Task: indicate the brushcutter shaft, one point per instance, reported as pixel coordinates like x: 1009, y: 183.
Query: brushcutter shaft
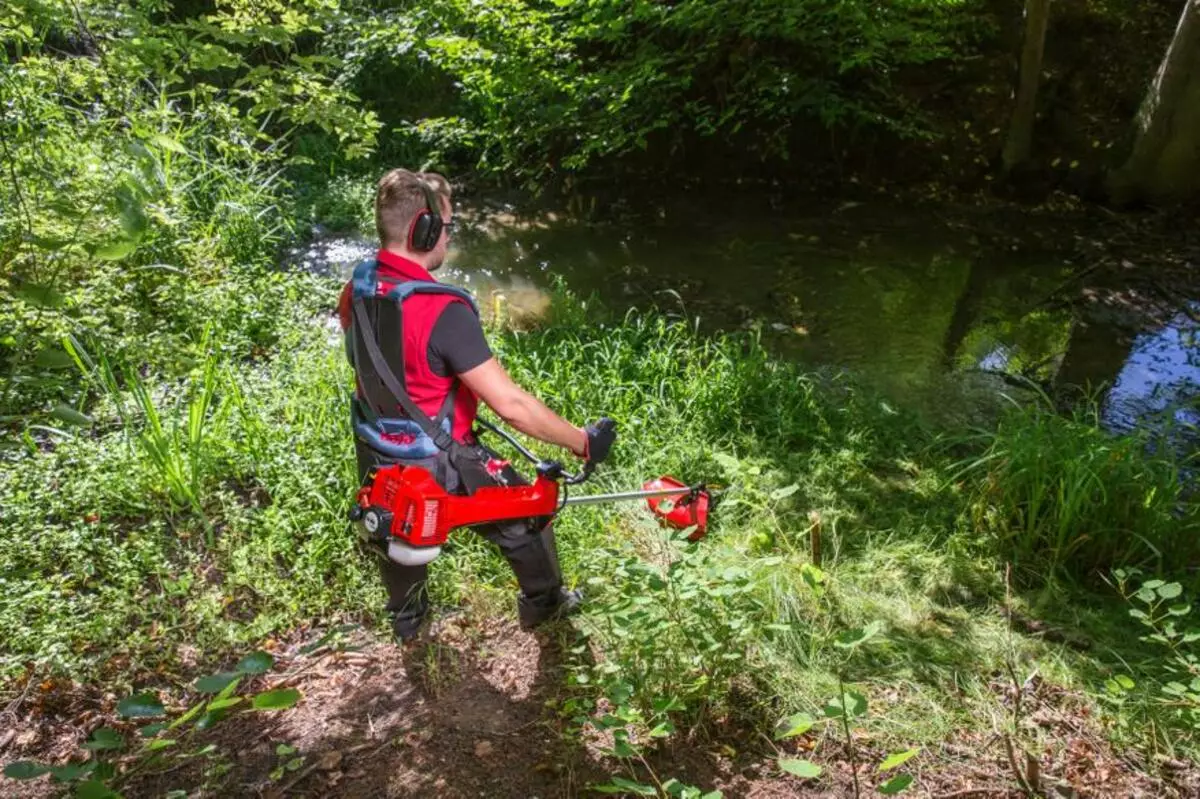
x: 621, y: 496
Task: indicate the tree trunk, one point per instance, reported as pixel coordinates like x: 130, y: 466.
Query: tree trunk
x: 1020, y: 131
x: 1165, y: 162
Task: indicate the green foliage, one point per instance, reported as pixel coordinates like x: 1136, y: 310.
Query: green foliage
x: 525, y: 90
x: 152, y: 748
x: 1169, y: 699
x: 142, y: 194
x: 1063, y: 495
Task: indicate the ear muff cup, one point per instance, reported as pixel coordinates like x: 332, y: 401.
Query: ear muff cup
x: 426, y: 226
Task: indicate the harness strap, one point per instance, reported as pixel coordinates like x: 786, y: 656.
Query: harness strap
x: 441, y: 439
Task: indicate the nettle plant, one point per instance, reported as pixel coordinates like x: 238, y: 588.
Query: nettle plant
x: 1165, y: 612
x: 162, y: 745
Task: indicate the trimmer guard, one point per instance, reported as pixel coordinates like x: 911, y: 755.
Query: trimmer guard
x: 690, y: 510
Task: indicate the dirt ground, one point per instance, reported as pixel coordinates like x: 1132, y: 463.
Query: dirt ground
x: 472, y: 712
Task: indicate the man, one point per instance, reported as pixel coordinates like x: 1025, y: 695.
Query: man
x: 421, y: 365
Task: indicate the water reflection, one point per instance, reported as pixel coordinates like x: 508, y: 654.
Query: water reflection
x: 899, y: 300
x: 1160, y: 380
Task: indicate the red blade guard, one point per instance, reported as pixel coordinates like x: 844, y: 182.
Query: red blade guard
x: 689, y: 509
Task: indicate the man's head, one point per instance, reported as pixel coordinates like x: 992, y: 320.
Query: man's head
x: 401, y: 197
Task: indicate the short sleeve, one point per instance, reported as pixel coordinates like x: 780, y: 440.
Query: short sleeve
x: 457, y: 343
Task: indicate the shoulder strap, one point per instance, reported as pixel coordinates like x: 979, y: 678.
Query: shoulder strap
x: 402, y: 291
x: 442, y: 439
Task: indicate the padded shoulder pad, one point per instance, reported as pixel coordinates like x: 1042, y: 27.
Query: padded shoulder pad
x: 405, y: 290
x: 364, y: 277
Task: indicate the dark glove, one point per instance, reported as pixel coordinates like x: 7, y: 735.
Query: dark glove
x: 600, y: 437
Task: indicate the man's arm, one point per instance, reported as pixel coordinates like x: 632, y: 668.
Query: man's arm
x: 519, y: 409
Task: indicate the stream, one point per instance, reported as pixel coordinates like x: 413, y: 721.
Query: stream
x: 906, y: 299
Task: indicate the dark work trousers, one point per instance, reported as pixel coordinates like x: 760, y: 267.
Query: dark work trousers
x: 527, y: 544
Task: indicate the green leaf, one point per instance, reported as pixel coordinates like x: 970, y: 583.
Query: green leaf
x: 785, y: 492
x: 713, y: 795
x: 115, y: 251
x: 663, y: 730
x: 159, y: 743
x: 283, y: 750
x: 1170, y: 590
x: 25, y: 770
x: 279, y: 699
x: 39, y: 295
x: 167, y: 143
x: 255, y: 663
x: 896, y: 784
x: 150, y: 730
x: 221, y: 704
x: 801, y: 768
x: 94, y: 789
x: 140, y: 706
x: 793, y: 725
x: 897, y: 759
x: 852, y: 639
x: 853, y: 704
x: 229, y: 690
x: 1152, y: 584
x: 53, y: 359
x: 1124, y: 681
x: 215, y: 683
x: 68, y: 414
x: 186, y: 717
x: 72, y: 771
x: 105, y: 738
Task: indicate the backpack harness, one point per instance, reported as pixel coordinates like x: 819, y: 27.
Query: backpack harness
x: 413, y: 436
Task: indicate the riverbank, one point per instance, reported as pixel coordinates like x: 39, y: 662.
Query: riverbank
x: 856, y: 545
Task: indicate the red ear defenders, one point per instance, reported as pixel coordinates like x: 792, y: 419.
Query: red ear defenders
x: 426, y: 226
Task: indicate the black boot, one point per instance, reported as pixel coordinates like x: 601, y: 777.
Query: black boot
x: 556, y: 604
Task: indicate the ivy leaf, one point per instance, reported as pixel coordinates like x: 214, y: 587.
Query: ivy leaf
x: 279, y: 699
x: 801, y: 768
x: 140, y: 706
x: 794, y: 725
x: 896, y: 784
x: 897, y: 759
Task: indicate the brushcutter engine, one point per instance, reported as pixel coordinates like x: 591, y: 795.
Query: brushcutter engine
x: 404, y: 510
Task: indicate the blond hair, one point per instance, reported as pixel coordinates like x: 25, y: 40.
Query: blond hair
x: 398, y: 200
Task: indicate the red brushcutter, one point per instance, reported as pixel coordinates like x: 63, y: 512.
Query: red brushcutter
x: 404, y: 509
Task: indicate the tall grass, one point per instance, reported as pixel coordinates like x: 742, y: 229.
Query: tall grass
x: 1061, y: 495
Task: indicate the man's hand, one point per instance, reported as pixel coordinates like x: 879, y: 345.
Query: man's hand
x: 600, y: 437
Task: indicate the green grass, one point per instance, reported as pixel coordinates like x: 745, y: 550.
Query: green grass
x: 109, y: 572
